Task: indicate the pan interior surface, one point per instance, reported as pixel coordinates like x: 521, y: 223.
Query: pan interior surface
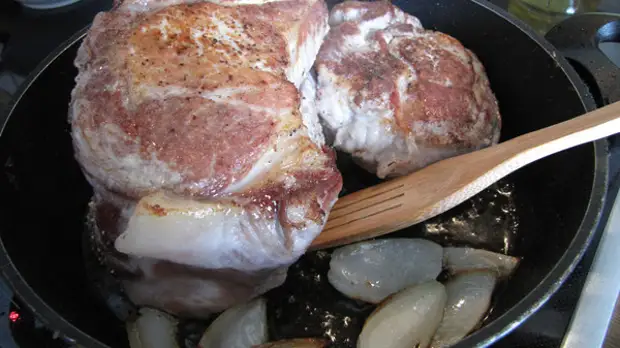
x: 44, y: 197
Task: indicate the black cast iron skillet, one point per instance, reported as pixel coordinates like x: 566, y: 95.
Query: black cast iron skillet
x: 557, y: 201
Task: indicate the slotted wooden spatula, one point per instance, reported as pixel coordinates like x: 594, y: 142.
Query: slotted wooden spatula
x: 407, y: 200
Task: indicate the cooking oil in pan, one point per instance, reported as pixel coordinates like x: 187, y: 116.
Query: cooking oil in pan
x: 103, y: 282
x: 486, y: 221
x: 306, y: 305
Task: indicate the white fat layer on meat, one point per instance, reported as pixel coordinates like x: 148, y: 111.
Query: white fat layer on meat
x: 284, y: 152
x: 198, y: 292
x: 354, y: 14
x: 196, y: 35
x: 350, y: 14
x: 217, y: 235
x: 378, y: 148
x: 364, y: 128
x: 224, y: 94
x: 333, y: 102
x: 309, y: 112
x: 297, y: 215
x: 286, y: 147
x: 136, y: 172
x: 303, y: 56
x: 163, y: 29
x: 158, y: 172
x: 361, y: 42
x: 363, y: 131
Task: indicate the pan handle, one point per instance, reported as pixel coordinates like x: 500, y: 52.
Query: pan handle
x: 578, y: 39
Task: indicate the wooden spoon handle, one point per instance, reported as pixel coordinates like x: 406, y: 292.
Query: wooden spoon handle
x: 413, y: 198
x: 594, y: 125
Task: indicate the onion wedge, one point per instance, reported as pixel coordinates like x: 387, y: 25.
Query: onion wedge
x: 241, y: 326
x: 407, y: 319
x: 373, y: 270
x: 469, y: 297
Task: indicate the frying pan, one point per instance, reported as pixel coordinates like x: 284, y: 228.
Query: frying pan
x: 551, y: 207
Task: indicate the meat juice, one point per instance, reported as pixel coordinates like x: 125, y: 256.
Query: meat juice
x: 306, y: 305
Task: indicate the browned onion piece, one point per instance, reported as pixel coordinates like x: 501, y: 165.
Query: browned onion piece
x: 459, y: 260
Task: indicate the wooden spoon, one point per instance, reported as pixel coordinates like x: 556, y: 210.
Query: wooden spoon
x: 408, y: 200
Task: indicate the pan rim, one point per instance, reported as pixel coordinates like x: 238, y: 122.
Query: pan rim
x: 487, y: 335
x: 37, y: 306
x: 539, y: 295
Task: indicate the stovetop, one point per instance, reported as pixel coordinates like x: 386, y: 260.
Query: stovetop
x: 35, y: 34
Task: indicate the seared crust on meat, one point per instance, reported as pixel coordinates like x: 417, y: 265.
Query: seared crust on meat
x: 187, y: 119
x: 399, y: 97
x: 194, y: 83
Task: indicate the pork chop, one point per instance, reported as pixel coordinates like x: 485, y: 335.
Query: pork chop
x: 210, y: 174
x: 398, y: 97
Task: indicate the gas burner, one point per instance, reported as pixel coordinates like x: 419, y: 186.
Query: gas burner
x: 6, y: 339
x: 18, y: 326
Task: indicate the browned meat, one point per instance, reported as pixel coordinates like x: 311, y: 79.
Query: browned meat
x: 398, y: 97
x: 209, y: 170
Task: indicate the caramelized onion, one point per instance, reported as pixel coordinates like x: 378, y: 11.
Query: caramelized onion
x: 152, y: 329
x: 458, y: 260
